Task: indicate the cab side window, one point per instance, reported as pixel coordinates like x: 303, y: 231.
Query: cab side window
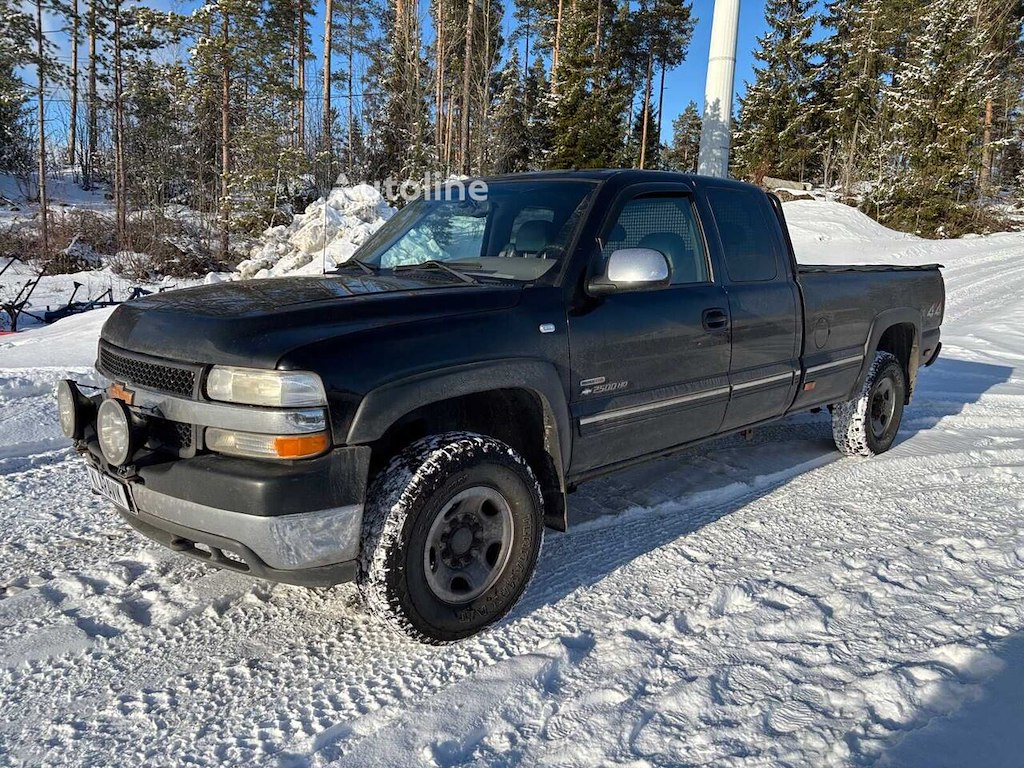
x: 747, y: 234
x: 665, y: 223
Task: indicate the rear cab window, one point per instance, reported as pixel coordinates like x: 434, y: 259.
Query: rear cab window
x: 746, y: 228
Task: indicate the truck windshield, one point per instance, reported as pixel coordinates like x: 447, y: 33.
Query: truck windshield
x: 515, y: 230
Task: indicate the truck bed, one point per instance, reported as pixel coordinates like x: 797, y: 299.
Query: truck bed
x: 830, y: 268
x: 844, y: 308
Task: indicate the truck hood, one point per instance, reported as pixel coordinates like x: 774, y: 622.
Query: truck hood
x: 254, y: 323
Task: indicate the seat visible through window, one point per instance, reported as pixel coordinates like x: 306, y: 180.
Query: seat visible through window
x: 665, y: 223
x: 532, y: 238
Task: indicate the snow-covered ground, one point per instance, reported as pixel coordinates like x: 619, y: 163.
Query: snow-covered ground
x: 62, y: 191
x: 55, y: 291
x: 751, y: 603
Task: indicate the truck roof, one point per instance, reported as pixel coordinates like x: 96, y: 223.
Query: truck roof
x: 621, y: 177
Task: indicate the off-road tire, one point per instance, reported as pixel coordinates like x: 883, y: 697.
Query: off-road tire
x: 405, y: 499
x: 852, y: 421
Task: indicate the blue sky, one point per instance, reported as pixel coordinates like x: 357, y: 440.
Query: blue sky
x: 687, y: 82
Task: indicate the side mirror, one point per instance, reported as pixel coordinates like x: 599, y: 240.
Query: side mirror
x: 630, y: 270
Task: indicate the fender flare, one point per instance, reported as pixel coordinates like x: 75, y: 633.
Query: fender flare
x: 384, y: 406
x: 881, y: 323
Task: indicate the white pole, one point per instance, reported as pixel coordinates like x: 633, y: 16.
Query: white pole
x: 718, y: 92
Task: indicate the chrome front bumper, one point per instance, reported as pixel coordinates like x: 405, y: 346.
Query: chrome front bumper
x: 317, y: 548
x: 286, y: 542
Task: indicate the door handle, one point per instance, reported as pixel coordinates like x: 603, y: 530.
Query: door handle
x: 715, y: 319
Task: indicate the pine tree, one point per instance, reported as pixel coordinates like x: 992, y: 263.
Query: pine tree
x: 288, y: 23
x: 15, y: 34
x: 47, y: 71
x: 1001, y: 22
x: 400, y: 131
x: 590, y: 96
x: 848, y: 90
x: 532, y: 27
x: 933, y: 148
x: 354, y: 42
x: 775, y: 112
x: 682, y: 154
x: 98, y: 14
x: 486, y: 71
x: 510, y: 138
x: 661, y: 37
x: 537, y: 103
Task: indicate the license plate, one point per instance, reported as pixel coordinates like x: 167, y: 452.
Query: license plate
x: 112, y: 490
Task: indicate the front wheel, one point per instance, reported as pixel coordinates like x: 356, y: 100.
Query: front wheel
x: 867, y: 425
x: 451, y: 536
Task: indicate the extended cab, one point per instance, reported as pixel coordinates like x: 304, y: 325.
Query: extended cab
x: 413, y: 420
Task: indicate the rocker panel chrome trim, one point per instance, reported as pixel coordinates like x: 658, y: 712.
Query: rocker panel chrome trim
x: 619, y: 413
x: 835, y: 364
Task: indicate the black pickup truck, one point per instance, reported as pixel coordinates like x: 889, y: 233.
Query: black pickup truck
x: 415, y: 419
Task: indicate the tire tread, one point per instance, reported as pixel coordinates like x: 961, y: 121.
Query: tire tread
x: 407, y: 476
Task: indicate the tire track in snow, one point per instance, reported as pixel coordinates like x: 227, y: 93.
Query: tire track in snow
x: 136, y: 658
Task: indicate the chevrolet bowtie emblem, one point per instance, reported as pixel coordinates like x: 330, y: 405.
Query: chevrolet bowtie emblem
x: 120, y: 392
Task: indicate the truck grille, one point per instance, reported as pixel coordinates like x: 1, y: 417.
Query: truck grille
x: 170, y: 435
x: 160, y: 377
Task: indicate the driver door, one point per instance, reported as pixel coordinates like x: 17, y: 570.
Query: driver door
x: 650, y: 370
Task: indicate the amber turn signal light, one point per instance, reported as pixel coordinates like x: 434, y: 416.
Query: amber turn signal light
x: 301, y: 446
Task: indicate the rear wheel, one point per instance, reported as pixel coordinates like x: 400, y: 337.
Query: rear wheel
x: 867, y: 425
x: 451, y: 537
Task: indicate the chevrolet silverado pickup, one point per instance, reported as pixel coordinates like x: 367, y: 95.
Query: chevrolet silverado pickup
x: 414, y: 420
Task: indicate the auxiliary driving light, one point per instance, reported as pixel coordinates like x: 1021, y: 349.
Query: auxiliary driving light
x: 73, y: 408
x: 114, y: 428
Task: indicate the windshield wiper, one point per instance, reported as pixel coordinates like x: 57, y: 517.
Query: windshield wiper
x: 370, y: 270
x: 445, y: 266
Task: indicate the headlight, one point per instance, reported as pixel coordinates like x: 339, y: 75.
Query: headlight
x: 73, y: 408
x: 114, y: 428
x: 258, y: 446
x: 252, y: 386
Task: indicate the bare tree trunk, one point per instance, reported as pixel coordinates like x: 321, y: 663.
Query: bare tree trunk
x: 557, y: 48
x: 225, y: 135
x: 466, y: 71
x: 73, y: 117
x: 90, y: 153
x: 647, y: 110
x: 597, y: 32
x: 300, y: 44
x: 44, y: 230
x: 485, y: 89
x: 526, y: 51
x: 661, y: 98
x: 449, y: 128
x: 851, y: 157
x: 328, y: 30
x: 439, y: 49
x: 985, y: 178
x: 351, y: 91
x: 120, y: 196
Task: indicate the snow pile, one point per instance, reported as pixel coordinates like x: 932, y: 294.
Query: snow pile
x: 345, y: 220
x: 834, y: 233
x: 82, y: 253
